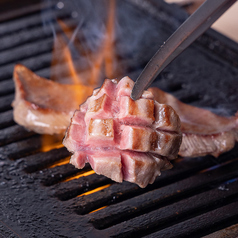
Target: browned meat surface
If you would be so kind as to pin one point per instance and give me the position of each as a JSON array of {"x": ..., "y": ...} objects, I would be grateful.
[
  {"x": 121, "y": 138},
  {"x": 203, "y": 131},
  {"x": 42, "y": 105}
]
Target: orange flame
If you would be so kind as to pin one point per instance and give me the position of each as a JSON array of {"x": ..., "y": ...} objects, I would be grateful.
[
  {"x": 62, "y": 54},
  {"x": 102, "y": 62},
  {"x": 85, "y": 174},
  {"x": 95, "y": 190},
  {"x": 49, "y": 142}
]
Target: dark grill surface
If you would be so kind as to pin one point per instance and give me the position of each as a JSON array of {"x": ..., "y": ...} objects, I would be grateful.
[{"x": 41, "y": 195}]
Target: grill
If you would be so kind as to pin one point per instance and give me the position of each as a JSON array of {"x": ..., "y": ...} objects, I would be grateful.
[{"x": 44, "y": 196}]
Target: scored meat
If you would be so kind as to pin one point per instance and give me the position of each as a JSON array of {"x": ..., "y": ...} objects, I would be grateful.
[
  {"x": 203, "y": 131},
  {"x": 121, "y": 138},
  {"x": 42, "y": 105}
]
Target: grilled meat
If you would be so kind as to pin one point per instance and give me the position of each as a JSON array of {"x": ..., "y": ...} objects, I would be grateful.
[
  {"x": 42, "y": 105},
  {"x": 121, "y": 138},
  {"x": 203, "y": 131}
]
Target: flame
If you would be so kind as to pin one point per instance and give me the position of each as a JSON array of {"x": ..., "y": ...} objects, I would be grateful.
[
  {"x": 102, "y": 63},
  {"x": 61, "y": 162},
  {"x": 98, "y": 209},
  {"x": 62, "y": 54},
  {"x": 65, "y": 69},
  {"x": 106, "y": 54},
  {"x": 94, "y": 190},
  {"x": 49, "y": 142},
  {"x": 80, "y": 175}
]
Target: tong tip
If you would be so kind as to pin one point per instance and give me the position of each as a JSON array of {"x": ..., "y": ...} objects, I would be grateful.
[{"x": 136, "y": 91}]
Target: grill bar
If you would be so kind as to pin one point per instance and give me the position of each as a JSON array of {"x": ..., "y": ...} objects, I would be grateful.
[
  {"x": 25, "y": 51},
  {"x": 14, "y": 133},
  {"x": 6, "y": 102},
  {"x": 42, "y": 160},
  {"x": 35, "y": 63},
  {"x": 21, "y": 148},
  {"x": 168, "y": 194},
  {"x": 119, "y": 192},
  {"x": 73, "y": 188},
  {"x": 211, "y": 221},
  {"x": 54, "y": 175},
  {"x": 6, "y": 119},
  {"x": 175, "y": 213}
]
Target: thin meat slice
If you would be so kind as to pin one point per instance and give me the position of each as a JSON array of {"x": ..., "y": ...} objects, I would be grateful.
[
  {"x": 121, "y": 138},
  {"x": 203, "y": 131},
  {"x": 43, "y": 105}
]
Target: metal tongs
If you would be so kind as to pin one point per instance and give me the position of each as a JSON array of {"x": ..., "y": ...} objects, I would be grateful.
[{"x": 188, "y": 32}]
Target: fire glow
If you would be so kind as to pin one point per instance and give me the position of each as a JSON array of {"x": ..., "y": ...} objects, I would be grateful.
[
  {"x": 66, "y": 69},
  {"x": 101, "y": 63}
]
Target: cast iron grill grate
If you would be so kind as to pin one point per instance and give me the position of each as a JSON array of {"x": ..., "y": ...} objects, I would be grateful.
[{"x": 44, "y": 196}]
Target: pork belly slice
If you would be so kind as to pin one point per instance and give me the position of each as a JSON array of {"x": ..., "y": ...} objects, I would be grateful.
[
  {"x": 42, "y": 105},
  {"x": 203, "y": 131},
  {"x": 121, "y": 138}
]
